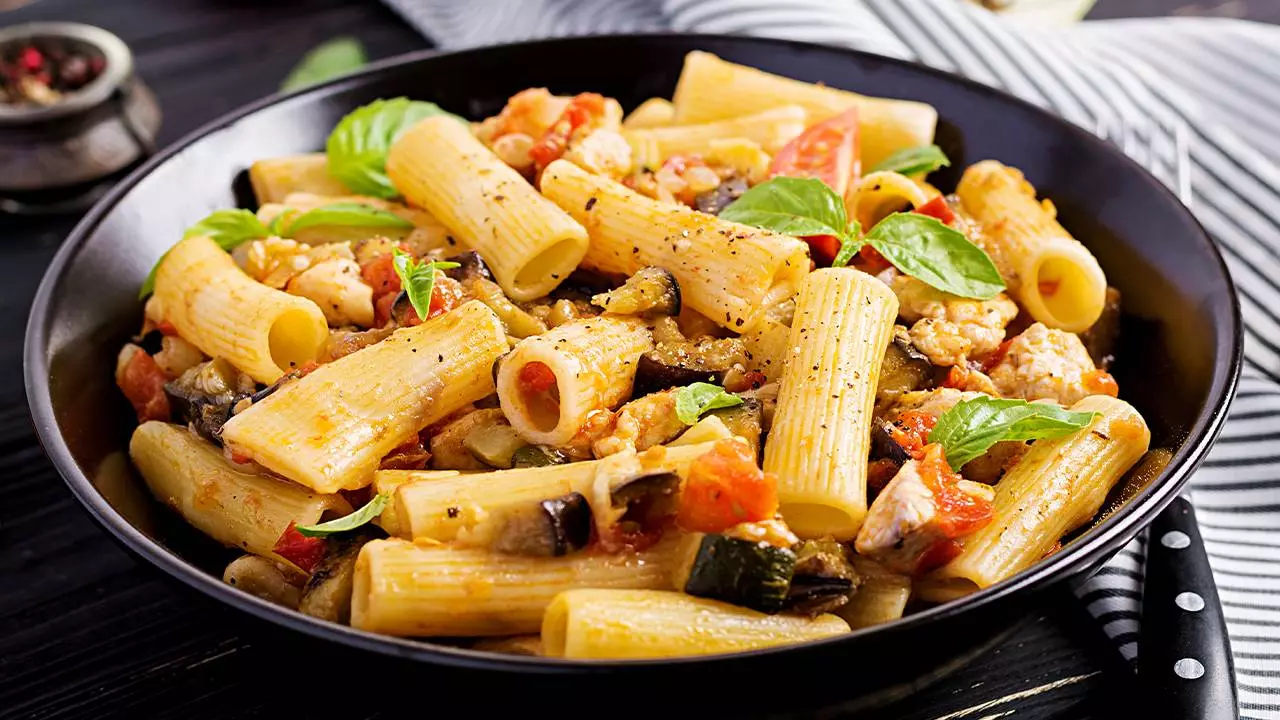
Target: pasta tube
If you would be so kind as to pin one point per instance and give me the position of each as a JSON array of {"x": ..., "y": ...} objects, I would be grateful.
[
  {"x": 628, "y": 624},
  {"x": 770, "y": 129},
  {"x": 1051, "y": 274},
  {"x": 274, "y": 179},
  {"x": 329, "y": 429},
  {"x": 216, "y": 307},
  {"x": 712, "y": 89},
  {"x": 818, "y": 443},
  {"x": 729, "y": 272},
  {"x": 219, "y": 498},
  {"x": 386, "y": 482},
  {"x": 469, "y": 509},
  {"x": 529, "y": 243},
  {"x": 654, "y": 112},
  {"x": 409, "y": 589},
  {"x": 1057, "y": 486},
  {"x": 880, "y": 194},
  {"x": 881, "y": 597},
  {"x": 592, "y": 363}
]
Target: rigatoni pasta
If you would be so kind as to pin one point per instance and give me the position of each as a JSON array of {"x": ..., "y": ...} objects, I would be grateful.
[{"x": 693, "y": 382}]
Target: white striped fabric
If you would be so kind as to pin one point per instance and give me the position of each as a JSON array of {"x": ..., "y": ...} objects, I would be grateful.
[{"x": 1141, "y": 83}]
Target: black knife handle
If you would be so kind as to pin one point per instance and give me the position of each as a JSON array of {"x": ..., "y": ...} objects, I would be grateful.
[{"x": 1184, "y": 658}]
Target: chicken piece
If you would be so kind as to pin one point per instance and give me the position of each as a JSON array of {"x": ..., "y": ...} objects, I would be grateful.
[
  {"x": 950, "y": 329},
  {"x": 176, "y": 355},
  {"x": 905, "y": 523},
  {"x": 1045, "y": 363},
  {"x": 641, "y": 424},
  {"x": 529, "y": 112},
  {"x": 336, "y": 286},
  {"x": 603, "y": 152},
  {"x": 931, "y": 402}
]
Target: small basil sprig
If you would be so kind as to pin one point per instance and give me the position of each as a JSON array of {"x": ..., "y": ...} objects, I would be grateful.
[
  {"x": 694, "y": 400},
  {"x": 918, "y": 245},
  {"x": 358, "y": 146},
  {"x": 371, "y": 510},
  {"x": 912, "y": 160},
  {"x": 972, "y": 426},
  {"x": 326, "y": 61},
  {"x": 418, "y": 279},
  {"x": 230, "y": 228}
]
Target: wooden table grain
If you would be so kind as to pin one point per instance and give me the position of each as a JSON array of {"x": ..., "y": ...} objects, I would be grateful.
[{"x": 88, "y": 632}]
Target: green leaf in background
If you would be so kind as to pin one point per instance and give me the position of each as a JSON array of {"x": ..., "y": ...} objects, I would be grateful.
[
  {"x": 227, "y": 228},
  {"x": 371, "y": 510},
  {"x": 791, "y": 206},
  {"x": 418, "y": 279},
  {"x": 346, "y": 215},
  {"x": 936, "y": 254},
  {"x": 694, "y": 400},
  {"x": 358, "y": 146},
  {"x": 909, "y": 161},
  {"x": 326, "y": 61},
  {"x": 969, "y": 429}
]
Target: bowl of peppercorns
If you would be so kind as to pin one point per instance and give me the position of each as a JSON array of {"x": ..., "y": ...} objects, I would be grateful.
[{"x": 72, "y": 113}]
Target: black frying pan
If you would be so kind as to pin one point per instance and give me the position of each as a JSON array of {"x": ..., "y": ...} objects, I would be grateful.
[{"x": 1179, "y": 357}]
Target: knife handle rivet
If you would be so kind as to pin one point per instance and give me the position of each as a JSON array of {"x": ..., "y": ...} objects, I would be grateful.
[
  {"x": 1175, "y": 540},
  {"x": 1188, "y": 669},
  {"x": 1189, "y": 601}
]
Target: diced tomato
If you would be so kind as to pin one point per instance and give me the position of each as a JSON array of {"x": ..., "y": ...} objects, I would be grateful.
[
  {"x": 823, "y": 248},
  {"x": 1048, "y": 288},
  {"x": 959, "y": 513},
  {"x": 583, "y": 110},
  {"x": 827, "y": 151},
  {"x": 957, "y": 377},
  {"x": 446, "y": 294},
  {"x": 996, "y": 356},
  {"x": 240, "y": 458},
  {"x": 911, "y": 431},
  {"x": 871, "y": 261},
  {"x": 305, "y": 552},
  {"x": 937, "y": 208},
  {"x": 382, "y": 305},
  {"x": 1100, "y": 382},
  {"x": 143, "y": 383},
  {"x": 537, "y": 377},
  {"x": 380, "y": 274},
  {"x": 725, "y": 488},
  {"x": 938, "y": 554}
]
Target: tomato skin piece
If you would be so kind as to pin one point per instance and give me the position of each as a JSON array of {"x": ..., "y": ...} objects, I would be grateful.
[
  {"x": 725, "y": 488},
  {"x": 996, "y": 356},
  {"x": 959, "y": 513},
  {"x": 823, "y": 248},
  {"x": 871, "y": 261},
  {"x": 305, "y": 552},
  {"x": 536, "y": 377},
  {"x": 827, "y": 151},
  {"x": 911, "y": 431},
  {"x": 938, "y": 209},
  {"x": 143, "y": 384}
]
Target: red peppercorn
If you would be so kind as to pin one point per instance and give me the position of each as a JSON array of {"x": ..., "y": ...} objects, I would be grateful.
[{"x": 32, "y": 59}]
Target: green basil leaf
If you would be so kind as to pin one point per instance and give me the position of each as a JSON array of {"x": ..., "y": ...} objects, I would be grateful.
[
  {"x": 276, "y": 226},
  {"x": 347, "y": 215},
  {"x": 371, "y": 510},
  {"x": 326, "y": 61},
  {"x": 418, "y": 279},
  {"x": 694, "y": 400},
  {"x": 937, "y": 254},
  {"x": 792, "y": 206},
  {"x": 357, "y": 147},
  {"x": 849, "y": 246},
  {"x": 909, "y": 161},
  {"x": 227, "y": 228},
  {"x": 969, "y": 429}
]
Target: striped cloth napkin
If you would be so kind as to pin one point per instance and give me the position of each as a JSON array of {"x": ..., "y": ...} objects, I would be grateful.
[{"x": 1217, "y": 81}]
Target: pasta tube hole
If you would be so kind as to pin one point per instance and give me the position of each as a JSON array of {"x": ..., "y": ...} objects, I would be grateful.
[
  {"x": 295, "y": 338},
  {"x": 1067, "y": 288},
  {"x": 813, "y": 520},
  {"x": 540, "y": 396},
  {"x": 548, "y": 268}
]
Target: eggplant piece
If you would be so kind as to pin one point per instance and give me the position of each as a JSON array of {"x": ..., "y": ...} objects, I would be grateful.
[
  {"x": 551, "y": 528},
  {"x": 884, "y": 446},
  {"x": 265, "y": 579},
  {"x": 1101, "y": 337},
  {"x": 745, "y": 420},
  {"x": 494, "y": 445},
  {"x": 403, "y": 312},
  {"x": 675, "y": 364},
  {"x": 515, "y": 320},
  {"x": 714, "y": 201},
  {"x": 327, "y": 594},
  {"x": 205, "y": 395},
  {"x": 470, "y": 265},
  {"x": 903, "y": 369},
  {"x": 646, "y": 499},
  {"x": 755, "y": 575},
  {"x": 537, "y": 456},
  {"x": 651, "y": 290},
  {"x": 824, "y": 577}
]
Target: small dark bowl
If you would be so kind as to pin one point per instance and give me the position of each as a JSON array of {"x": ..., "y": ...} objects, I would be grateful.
[
  {"x": 1179, "y": 355},
  {"x": 54, "y": 153}
]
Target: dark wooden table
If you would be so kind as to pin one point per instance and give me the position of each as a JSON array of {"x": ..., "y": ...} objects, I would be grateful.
[{"x": 87, "y": 632}]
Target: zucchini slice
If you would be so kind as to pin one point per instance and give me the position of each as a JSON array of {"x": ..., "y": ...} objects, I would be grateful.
[{"x": 754, "y": 575}]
